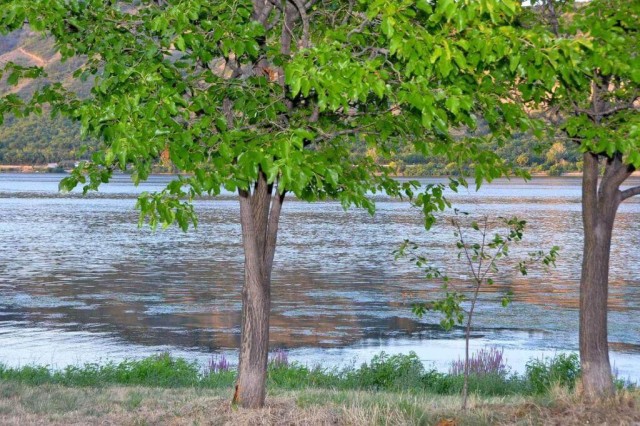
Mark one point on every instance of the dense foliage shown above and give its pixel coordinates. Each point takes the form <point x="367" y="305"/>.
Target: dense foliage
<point x="40" y="139"/>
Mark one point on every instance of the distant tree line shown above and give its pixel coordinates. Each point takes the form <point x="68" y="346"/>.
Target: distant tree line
<point x="552" y="158"/>
<point x="41" y="140"/>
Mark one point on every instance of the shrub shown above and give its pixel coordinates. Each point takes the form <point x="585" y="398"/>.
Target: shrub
<point x="543" y="373"/>
<point x="484" y="384"/>
<point x="297" y="376"/>
<point x="156" y="370"/>
<point x="389" y="372"/>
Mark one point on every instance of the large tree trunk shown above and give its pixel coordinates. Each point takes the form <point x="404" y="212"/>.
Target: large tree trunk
<point x="259" y="216"/>
<point x="599" y="206"/>
<point x="254" y="346"/>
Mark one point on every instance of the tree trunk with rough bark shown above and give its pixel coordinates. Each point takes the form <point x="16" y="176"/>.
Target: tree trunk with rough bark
<point x="594" y="283"/>
<point x="260" y="209"/>
<point x="259" y="215"/>
<point x="600" y="203"/>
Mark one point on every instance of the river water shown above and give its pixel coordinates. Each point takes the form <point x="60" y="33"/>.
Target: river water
<point x="80" y="282"/>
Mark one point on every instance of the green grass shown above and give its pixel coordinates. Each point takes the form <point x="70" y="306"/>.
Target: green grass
<point x="397" y="373"/>
<point x="161" y="370"/>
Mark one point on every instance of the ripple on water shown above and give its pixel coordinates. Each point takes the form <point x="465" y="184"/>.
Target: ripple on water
<point x="82" y="266"/>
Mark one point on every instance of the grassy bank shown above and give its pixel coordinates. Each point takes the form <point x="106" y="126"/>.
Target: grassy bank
<point x="398" y="373"/>
<point x="388" y="390"/>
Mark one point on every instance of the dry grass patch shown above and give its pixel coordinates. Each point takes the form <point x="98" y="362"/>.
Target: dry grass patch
<point x="57" y="405"/>
<point x="559" y="408"/>
<point x="569" y="409"/>
<point x="382" y="408"/>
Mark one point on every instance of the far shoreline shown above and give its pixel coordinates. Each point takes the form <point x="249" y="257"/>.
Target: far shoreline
<point x="45" y="168"/>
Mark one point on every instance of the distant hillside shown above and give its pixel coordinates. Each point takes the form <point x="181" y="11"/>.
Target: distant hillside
<point x="38" y="139"/>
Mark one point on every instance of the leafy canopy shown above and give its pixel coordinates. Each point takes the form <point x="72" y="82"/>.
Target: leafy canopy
<point x="592" y="75"/>
<point x="214" y="89"/>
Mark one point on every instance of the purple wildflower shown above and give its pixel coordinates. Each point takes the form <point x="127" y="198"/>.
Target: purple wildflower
<point x="218" y="364"/>
<point x="483" y="362"/>
<point x="280" y="358"/>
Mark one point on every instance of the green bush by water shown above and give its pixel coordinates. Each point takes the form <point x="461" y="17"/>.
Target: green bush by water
<point x="561" y="370"/>
<point x="389" y="372"/>
<point x="385" y="372"/>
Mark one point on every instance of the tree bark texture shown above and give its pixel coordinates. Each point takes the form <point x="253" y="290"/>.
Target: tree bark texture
<point x="260" y="210"/>
<point x="599" y="206"/>
<point x="259" y="215"/>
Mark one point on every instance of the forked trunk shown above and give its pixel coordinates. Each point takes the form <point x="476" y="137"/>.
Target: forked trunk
<point x="259" y="215"/>
<point x="599" y="206"/>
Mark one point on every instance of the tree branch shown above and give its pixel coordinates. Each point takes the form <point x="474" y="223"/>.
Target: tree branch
<point x="482" y="246"/>
<point x="615" y="173"/>
<point x="348" y="14"/>
<point x="628" y="193"/>
<point x="286" y="35"/>
<point x="277" y="4"/>
<point x="275" y="20"/>
<point x="590" y="189"/>
<point x="305" y="22"/>
<point x="328" y="136"/>
<point x="608" y="112"/>
<point x="456" y="223"/>
<point x="359" y="28"/>
<point x="262" y="10"/>
<point x="310" y="3"/>
<point x="553" y="16"/>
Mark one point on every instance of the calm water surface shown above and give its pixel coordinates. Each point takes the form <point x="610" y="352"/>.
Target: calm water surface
<point x="80" y="282"/>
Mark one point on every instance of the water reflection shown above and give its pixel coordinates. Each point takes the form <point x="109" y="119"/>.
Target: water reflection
<point x="81" y="267"/>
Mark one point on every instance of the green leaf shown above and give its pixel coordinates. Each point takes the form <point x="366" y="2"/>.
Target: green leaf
<point x="388" y="26"/>
<point x="180" y="43"/>
<point x="453" y="104"/>
<point x="13" y="78"/>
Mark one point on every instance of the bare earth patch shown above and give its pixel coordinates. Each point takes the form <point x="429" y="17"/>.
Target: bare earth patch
<point x="58" y="405"/>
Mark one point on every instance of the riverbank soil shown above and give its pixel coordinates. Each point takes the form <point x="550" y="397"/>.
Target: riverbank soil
<point x="57" y="405"/>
